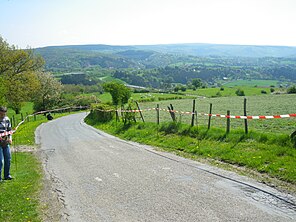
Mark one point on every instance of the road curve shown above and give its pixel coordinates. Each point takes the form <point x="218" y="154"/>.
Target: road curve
<point x="98" y="177"/>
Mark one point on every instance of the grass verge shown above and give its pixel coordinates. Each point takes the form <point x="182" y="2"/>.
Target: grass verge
<point x="268" y="153"/>
<point x="20" y="198"/>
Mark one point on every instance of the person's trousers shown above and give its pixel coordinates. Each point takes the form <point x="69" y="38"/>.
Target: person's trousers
<point x="5" y="156"/>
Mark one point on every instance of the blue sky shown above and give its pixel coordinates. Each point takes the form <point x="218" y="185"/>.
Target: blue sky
<point x="38" y="23"/>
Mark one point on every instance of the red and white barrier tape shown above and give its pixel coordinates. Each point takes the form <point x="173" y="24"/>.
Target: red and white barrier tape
<point x="6" y="133"/>
<point x="252" y="117"/>
<point x="217" y="115"/>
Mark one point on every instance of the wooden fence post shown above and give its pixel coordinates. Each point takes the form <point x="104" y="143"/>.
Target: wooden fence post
<point x="228" y="122"/>
<point x="157" y="114"/>
<point x="210" y="116"/>
<point x="193" y="113"/>
<point x="140" y="112"/>
<point x="245" y="114"/>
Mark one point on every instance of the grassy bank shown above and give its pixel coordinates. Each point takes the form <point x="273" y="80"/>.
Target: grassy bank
<point x="20" y="198"/>
<point x="267" y="153"/>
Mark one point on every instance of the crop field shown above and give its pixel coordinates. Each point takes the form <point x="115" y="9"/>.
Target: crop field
<point x="256" y="105"/>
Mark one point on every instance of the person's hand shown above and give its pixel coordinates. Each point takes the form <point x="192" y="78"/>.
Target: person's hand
<point x="9" y="141"/>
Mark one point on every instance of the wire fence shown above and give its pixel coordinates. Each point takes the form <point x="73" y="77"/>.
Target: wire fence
<point x="216" y="115"/>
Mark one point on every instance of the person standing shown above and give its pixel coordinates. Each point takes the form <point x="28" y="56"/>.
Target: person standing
<point x="5" y="142"/>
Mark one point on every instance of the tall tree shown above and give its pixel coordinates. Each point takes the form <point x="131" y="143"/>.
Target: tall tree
<point x="18" y="74"/>
<point x="120" y="93"/>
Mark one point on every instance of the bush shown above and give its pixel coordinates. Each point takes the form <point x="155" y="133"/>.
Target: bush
<point x="291" y="90"/>
<point x="170" y="98"/>
<point x="272" y="90"/>
<point x="263" y="92"/>
<point x="240" y="92"/>
<point x="101" y="113"/>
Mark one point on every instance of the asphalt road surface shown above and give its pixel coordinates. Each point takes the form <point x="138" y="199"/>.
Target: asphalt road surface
<point x="98" y="177"/>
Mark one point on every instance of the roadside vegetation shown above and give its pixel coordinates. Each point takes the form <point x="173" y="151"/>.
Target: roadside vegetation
<point x="267" y="148"/>
<point x="267" y="153"/>
<point x="20" y="198"/>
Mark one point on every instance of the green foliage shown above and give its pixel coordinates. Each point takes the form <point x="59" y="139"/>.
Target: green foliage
<point x="18" y="74"/>
<point x="291" y="90"/>
<point x="119" y="92"/>
<point x="197" y="83"/>
<point x="240" y="92"/>
<point x="100" y="113"/>
<point x="272" y="90"/>
<point x="170" y="98"/>
<point x="78" y="78"/>
<point x="81" y="89"/>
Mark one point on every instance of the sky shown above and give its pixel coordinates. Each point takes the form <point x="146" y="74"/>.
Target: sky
<point x="40" y="23"/>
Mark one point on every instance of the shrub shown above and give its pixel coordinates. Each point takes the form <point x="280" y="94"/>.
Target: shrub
<point x="101" y="113"/>
<point x="291" y="90"/>
<point x="272" y="90"/>
<point x="240" y="92"/>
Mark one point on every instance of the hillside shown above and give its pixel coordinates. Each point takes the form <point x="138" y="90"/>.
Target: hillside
<point x="195" y="49"/>
<point x="160" y="65"/>
<point x="224" y="50"/>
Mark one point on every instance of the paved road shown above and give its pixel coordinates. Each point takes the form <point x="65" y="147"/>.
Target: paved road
<point x="101" y="178"/>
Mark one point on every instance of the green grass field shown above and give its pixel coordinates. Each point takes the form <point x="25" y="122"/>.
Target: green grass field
<point x="253" y="83"/>
<point x="228" y="91"/>
<point x="256" y="105"/>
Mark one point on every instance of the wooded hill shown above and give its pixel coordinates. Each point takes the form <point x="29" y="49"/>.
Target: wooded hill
<point x="157" y="65"/>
